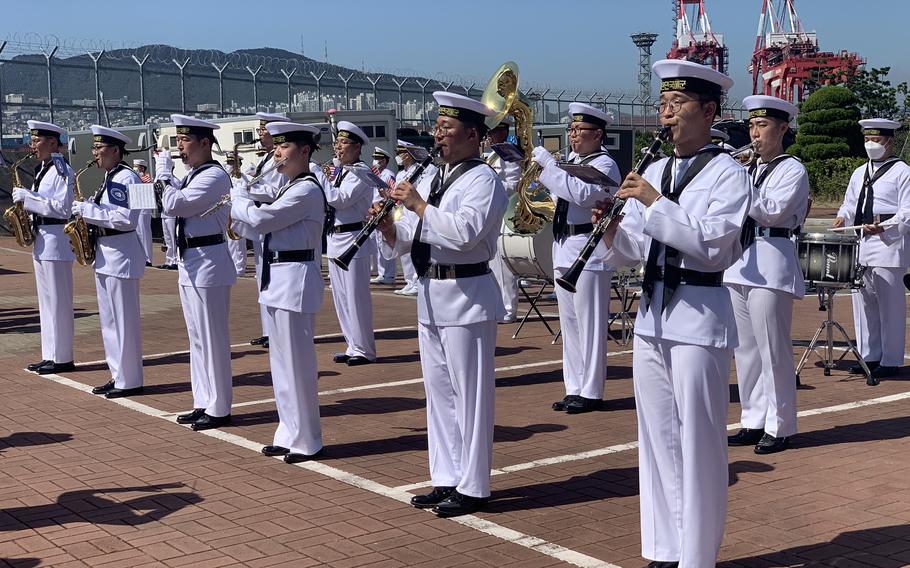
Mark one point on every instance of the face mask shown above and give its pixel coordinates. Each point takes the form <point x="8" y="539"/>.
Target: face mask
<point x="375" y="163"/>
<point x="399" y="161"/>
<point x="874" y="150"/>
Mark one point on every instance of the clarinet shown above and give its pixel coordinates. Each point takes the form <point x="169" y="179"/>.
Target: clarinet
<point x="344" y="260"/>
<point x="569" y="280"/>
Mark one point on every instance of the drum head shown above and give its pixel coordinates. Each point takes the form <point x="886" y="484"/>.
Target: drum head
<point x="528" y="256"/>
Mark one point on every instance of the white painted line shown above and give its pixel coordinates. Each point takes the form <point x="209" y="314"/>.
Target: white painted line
<point x="17" y="251"/>
<point x="482" y="525"/>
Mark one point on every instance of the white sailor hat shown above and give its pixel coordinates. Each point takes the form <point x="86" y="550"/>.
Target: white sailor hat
<point x="879" y="126"/>
<point x="190" y="125"/>
<point x="380" y="153"/>
<point x="292" y="132"/>
<point x="462" y="108"/>
<point x="142" y="163"/>
<point x="762" y="105"/>
<point x="38" y="128"/>
<point x="682" y="75"/>
<point x="271" y="117"/>
<point x="402" y="146"/>
<point x="230" y="156"/>
<point x="350" y="130"/>
<point x="106" y="135"/>
<point x="719" y="135"/>
<point x="580" y="112"/>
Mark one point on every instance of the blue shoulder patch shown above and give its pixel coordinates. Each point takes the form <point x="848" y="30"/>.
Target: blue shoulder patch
<point x="118" y="195"/>
<point x="60" y="164"/>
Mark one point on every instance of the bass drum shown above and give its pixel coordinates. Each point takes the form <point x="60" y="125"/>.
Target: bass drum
<point x="527" y="256"/>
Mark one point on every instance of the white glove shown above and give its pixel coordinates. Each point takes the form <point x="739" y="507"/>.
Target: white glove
<point x="164" y="165"/>
<point x="542" y="157"/>
<point x="19" y="194"/>
<point x="78" y="206"/>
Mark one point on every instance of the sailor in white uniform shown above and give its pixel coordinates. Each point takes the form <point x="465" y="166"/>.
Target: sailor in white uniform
<point x="119" y="262"/>
<point x="584" y="317"/>
<point x="722" y="139"/>
<point x="206" y="272"/>
<point x="49" y="202"/>
<point x="236" y="246"/>
<point x="764" y="282"/>
<point x="386" y="269"/>
<point x="879" y="190"/>
<point x="164" y="167"/>
<point x="687" y="232"/>
<point x="350" y="199"/>
<point x="264" y="191"/>
<point x="510" y="174"/>
<point x="407" y="157"/>
<point x="450" y="231"/>
<point x="291" y="287"/>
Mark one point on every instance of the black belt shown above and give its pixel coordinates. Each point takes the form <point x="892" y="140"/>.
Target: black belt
<point x="348" y="228"/>
<point x="447" y="271"/>
<point x="302" y="255"/>
<point x="782" y="232"/>
<point x="582" y="229"/>
<point x="204" y="241"/>
<point x="697" y="278"/>
<point x="39" y="220"/>
<point x="105" y="232"/>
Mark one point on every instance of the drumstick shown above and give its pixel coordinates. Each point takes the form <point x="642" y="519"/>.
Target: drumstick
<point x="888" y="223"/>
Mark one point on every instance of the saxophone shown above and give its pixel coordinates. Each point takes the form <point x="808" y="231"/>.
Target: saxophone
<point x="17" y="216"/>
<point x="77" y="229"/>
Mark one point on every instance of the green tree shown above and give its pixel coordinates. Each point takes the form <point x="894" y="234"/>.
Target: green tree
<point x="828" y="126"/>
<point x="876" y="98"/>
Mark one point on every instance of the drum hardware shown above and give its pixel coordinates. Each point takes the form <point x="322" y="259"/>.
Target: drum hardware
<point x="545" y="284"/>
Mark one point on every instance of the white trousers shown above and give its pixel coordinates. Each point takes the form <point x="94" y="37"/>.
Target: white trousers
<point x="144" y="232"/>
<point x="292" y="356"/>
<point x="508" y="284"/>
<point x="257" y="265"/>
<point x="458" y="369"/>
<point x="54" y="280"/>
<point x="880" y="316"/>
<point x="238" y="254"/>
<point x="168" y="226"/>
<point x="765" y="372"/>
<point x="681" y="398"/>
<point x="121" y="330"/>
<point x="408" y="270"/>
<point x="584" y="318"/>
<point x="354" y="305"/>
<point x="386" y="269"/>
<point x="206" y="313"/>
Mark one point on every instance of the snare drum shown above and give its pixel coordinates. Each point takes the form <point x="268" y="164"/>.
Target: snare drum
<point x="828" y="259"/>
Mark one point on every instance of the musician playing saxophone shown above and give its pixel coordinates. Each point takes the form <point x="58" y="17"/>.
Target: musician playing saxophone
<point x="49" y="202"/>
<point x="119" y="263"/>
<point x="584" y="316"/>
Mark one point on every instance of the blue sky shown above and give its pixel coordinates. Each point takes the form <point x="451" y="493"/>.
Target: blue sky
<point x="569" y="44"/>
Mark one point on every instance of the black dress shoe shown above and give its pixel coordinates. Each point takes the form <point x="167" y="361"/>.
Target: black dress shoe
<point x="883" y="371"/>
<point x="858" y="369"/>
<point x="746" y="437"/>
<point x="206" y="422"/>
<point x="34" y="366"/>
<point x="658" y="564"/>
<point x="433" y="498"/>
<point x="190" y="417"/>
<point x="358" y="360"/>
<point x="56" y="368"/>
<point x="581" y="404"/>
<point x="771" y="445"/>
<point x="163" y="266"/>
<point x="105" y="388"/>
<point x="172" y="267"/>
<point x="457" y="504"/>
<point x="147" y="263"/>
<point x="260" y="340"/>
<point x="120" y="393"/>
<point x="274" y="451"/>
<point x="560" y="405"/>
<point x="340" y="358"/>
<point x="294" y="457"/>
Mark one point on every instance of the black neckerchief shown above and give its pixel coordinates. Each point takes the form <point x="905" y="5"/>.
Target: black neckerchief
<point x="99" y="193"/>
<point x="262" y="163"/>
<point x="747" y="237"/>
<point x="39" y="175"/>
<point x="561" y="215"/>
<point x="672" y="274"/>
<point x="179" y="233"/>
<point x="420" y="251"/>
<point x="266" y="276"/>
<point x="864" y="215"/>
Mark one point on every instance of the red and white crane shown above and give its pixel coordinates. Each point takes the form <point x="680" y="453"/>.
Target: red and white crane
<point x="695" y="40"/>
<point x="786" y="56"/>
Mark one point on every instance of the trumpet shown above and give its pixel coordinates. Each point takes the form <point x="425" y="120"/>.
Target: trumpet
<point x="570" y="278"/>
<point x="747" y="152"/>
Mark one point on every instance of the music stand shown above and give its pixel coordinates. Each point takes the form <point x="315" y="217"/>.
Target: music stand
<point x="622" y="286"/>
<point x="826" y="292"/>
<point x="532" y="300"/>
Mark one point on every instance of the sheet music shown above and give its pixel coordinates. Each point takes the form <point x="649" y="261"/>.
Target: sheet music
<point x="142" y="196"/>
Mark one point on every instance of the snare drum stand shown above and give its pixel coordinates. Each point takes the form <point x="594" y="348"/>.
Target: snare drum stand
<point x="826" y="304"/>
<point x="544" y="284"/>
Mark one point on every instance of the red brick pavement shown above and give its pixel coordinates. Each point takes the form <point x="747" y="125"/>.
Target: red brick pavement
<point x="87" y="482"/>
